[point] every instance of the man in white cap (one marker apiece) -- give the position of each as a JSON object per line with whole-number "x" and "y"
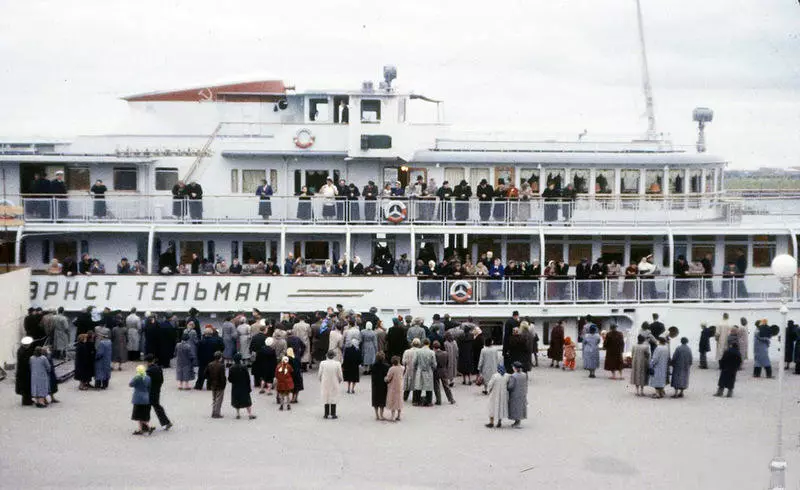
{"x": 59, "y": 190}
{"x": 23, "y": 378}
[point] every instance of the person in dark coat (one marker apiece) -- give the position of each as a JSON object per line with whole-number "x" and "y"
{"x": 206, "y": 348}
{"x": 485, "y": 194}
{"x": 706, "y": 334}
{"x": 729, "y": 365}
{"x": 556, "y": 350}
{"x": 379, "y": 389}
{"x": 84, "y": 361}
{"x": 321, "y": 335}
{"x": 264, "y": 191}
{"x": 351, "y": 362}
{"x": 215, "y": 372}
{"x": 152, "y": 336}
{"x": 166, "y": 343}
{"x": 517, "y": 351}
{"x": 98, "y": 190}
{"x": 240, "y": 387}
{"x": 792, "y": 335}
{"x": 22, "y": 383}
{"x": 58, "y": 188}
{"x": 396, "y": 341}
{"x": 179, "y": 200}
{"x": 508, "y": 330}
{"x": 194, "y": 191}
{"x": 614, "y": 344}
{"x": 551, "y": 197}
{"x": 156, "y": 381}
{"x": 264, "y": 365}
{"x": 48, "y": 352}
{"x": 297, "y": 373}
{"x": 466, "y": 357}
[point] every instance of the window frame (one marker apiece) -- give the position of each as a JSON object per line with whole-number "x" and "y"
{"x": 164, "y": 170}
{"x": 116, "y": 184}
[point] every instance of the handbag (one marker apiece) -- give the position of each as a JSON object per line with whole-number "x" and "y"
{"x": 479, "y": 380}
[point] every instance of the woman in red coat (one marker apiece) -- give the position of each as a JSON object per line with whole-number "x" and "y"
{"x": 284, "y": 383}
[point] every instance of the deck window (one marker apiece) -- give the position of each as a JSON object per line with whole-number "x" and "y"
{"x": 695, "y": 179}
{"x": 77, "y": 178}
{"x": 578, "y": 251}
{"x": 604, "y": 181}
{"x": 254, "y": 252}
{"x": 518, "y": 251}
{"x": 654, "y": 181}
{"x": 531, "y": 177}
{"x": 764, "y": 248}
{"x": 166, "y": 178}
{"x": 251, "y": 179}
{"x": 676, "y": 182}
{"x": 555, "y": 176}
{"x": 476, "y": 175}
{"x": 629, "y": 181}
{"x": 580, "y": 180}
{"x": 126, "y": 178}
{"x": 318, "y": 110}
{"x": 370, "y": 111}
{"x": 553, "y": 251}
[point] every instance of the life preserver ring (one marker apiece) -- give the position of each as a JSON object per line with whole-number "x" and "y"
{"x": 304, "y": 138}
{"x": 395, "y": 211}
{"x": 461, "y": 291}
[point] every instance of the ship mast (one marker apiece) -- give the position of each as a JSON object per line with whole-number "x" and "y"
{"x": 648, "y": 90}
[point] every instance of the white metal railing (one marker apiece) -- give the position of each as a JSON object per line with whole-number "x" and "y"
{"x": 622, "y": 290}
{"x": 641, "y": 210}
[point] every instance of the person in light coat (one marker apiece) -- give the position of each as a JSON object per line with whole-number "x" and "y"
{"x": 498, "y": 396}
{"x": 761, "y": 341}
{"x": 744, "y": 337}
{"x": 336, "y": 342}
{"x": 61, "y": 334}
{"x": 352, "y": 333}
{"x": 229, "y": 335}
{"x": 119, "y": 345}
{"x": 369, "y": 346}
{"x": 518, "y": 395}
{"x": 394, "y": 389}
{"x": 451, "y": 347}
{"x": 243, "y": 339}
{"x": 721, "y": 335}
{"x": 591, "y": 351}
{"x": 40, "y": 377}
{"x": 133, "y": 336}
{"x": 302, "y": 330}
{"x": 330, "y": 378}
{"x": 658, "y": 368}
{"x": 408, "y": 363}
{"x": 424, "y": 366}
{"x": 487, "y": 362}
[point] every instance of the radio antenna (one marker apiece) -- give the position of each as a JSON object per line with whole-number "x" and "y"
{"x": 648, "y": 90}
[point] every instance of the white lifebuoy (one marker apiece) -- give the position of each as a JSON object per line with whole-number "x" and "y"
{"x": 461, "y": 291}
{"x": 395, "y": 211}
{"x": 304, "y": 138}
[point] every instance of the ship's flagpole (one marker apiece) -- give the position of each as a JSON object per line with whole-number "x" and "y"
{"x": 648, "y": 90}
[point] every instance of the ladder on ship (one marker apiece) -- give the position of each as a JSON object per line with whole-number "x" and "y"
{"x": 203, "y": 153}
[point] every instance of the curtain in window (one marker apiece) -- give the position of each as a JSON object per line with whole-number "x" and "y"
{"x": 454, "y": 175}
{"x": 476, "y": 175}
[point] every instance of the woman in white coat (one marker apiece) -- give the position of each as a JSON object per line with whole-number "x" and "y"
{"x": 330, "y": 378}
{"x": 498, "y": 397}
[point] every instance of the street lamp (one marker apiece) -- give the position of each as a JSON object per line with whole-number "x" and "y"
{"x": 784, "y": 267}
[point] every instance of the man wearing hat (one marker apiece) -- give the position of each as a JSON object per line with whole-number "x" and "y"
{"x": 370, "y": 193}
{"x": 403, "y": 266}
{"x": 23, "y": 378}
{"x": 517, "y": 395}
{"x": 58, "y": 188}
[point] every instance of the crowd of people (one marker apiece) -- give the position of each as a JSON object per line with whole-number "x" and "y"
{"x": 409, "y": 359}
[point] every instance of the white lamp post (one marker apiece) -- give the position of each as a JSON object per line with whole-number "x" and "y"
{"x": 784, "y": 267}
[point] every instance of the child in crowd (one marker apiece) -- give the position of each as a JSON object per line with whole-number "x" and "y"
{"x": 569, "y": 355}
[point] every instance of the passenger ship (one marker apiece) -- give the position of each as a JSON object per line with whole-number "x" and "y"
{"x": 635, "y": 197}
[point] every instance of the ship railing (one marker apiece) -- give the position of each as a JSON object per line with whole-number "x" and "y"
{"x": 400, "y": 211}
{"x": 621, "y": 290}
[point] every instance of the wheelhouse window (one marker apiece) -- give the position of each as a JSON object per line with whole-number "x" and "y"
{"x": 166, "y": 178}
{"x": 531, "y": 176}
{"x": 580, "y": 180}
{"x": 676, "y": 182}
{"x": 126, "y": 179}
{"x": 555, "y": 176}
{"x": 654, "y": 181}
{"x": 710, "y": 177}
{"x": 318, "y": 110}
{"x": 77, "y": 178}
{"x": 629, "y": 181}
{"x": 604, "y": 181}
{"x": 695, "y": 179}
{"x": 370, "y": 111}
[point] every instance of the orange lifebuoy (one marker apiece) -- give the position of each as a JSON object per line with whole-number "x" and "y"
{"x": 395, "y": 211}
{"x": 461, "y": 291}
{"x": 304, "y": 139}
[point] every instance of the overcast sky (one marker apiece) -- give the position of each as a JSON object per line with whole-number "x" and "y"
{"x": 549, "y": 66}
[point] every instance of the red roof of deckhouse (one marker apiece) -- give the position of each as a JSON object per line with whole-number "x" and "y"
{"x": 246, "y": 91}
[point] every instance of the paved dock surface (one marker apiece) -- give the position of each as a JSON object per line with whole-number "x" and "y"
{"x": 581, "y": 433}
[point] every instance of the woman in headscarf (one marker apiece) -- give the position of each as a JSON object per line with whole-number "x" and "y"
{"x": 379, "y": 387}
{"x": 658, "y": 368}
{"x": 84, "y": 361}
{"x": 185, "y": 360}
{"x": 498, "y": 397}
{"x": 141, "y": 401}
{"x": 640, "y": 364}
{"x": 264, "y": 366}
{"x": 591, "y": 351}
{"x": 284, "y": 382}
{"x": 243, "y": 339}
{"x": 369, "y": 346}
{"x": 40, "y": 377}
{"x": 394, "y": 389}
{"x": 350, "y": 365}
{"x": 102, "y": 360}
{"x": 240, "y": 387}
{"x": 297, "y": 373}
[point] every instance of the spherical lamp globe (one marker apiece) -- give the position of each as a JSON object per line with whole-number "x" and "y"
{"x": 784, "y": 266}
